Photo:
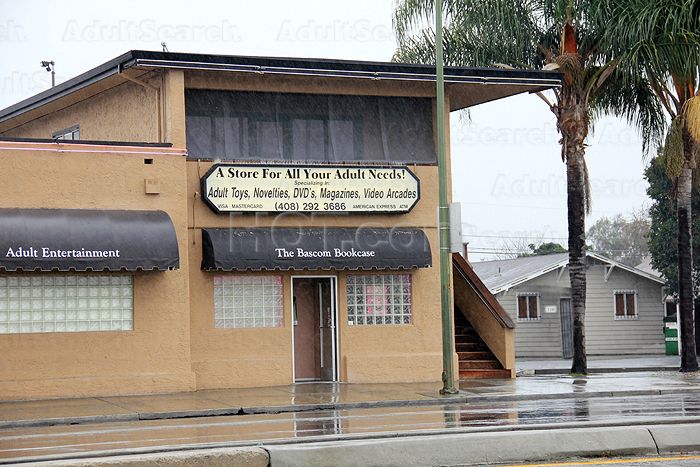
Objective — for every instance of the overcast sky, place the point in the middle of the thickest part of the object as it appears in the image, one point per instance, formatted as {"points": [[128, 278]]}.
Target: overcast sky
{"points": [[507, 170]]}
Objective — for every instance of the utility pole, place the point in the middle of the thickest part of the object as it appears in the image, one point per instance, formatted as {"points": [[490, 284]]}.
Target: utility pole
{"points": [[448, 378], [49, 66]]}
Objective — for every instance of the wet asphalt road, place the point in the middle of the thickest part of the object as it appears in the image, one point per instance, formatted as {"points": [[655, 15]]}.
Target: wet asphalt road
{"points": [[661, 461], [123, 437]]}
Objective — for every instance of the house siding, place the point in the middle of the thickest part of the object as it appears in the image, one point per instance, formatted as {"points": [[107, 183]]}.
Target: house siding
{"points": [[607, 336], [604, 334], [539, 338]]}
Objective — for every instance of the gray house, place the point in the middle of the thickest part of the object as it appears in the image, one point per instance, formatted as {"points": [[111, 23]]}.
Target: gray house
{"points": [[624, 305]]}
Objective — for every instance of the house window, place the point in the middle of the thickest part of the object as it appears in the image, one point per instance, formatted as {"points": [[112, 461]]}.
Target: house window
{"points": [[528, 306], [379, 299], [248, 301], [625, 304], [56, 303], [71, 133], [670, 308]]}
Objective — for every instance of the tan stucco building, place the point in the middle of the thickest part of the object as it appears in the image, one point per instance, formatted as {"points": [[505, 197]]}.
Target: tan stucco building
{"points": [[175, 222]]}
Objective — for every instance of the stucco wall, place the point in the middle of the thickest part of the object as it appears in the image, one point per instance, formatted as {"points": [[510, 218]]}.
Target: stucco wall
{"points": [[155, 356], [127, 112], [174, 337], [249, 357], [367, 353]]}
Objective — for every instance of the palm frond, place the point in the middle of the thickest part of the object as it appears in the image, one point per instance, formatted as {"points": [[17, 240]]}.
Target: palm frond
{"points": [[662, 34], [486, 31], [630, 96]]}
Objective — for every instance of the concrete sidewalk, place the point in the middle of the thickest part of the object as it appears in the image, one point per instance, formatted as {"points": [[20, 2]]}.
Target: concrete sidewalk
{"points": [[333, 396], [599, 364]]}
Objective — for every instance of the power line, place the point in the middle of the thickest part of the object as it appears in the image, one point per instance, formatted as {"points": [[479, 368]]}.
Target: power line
{"points": [[536, 237]]}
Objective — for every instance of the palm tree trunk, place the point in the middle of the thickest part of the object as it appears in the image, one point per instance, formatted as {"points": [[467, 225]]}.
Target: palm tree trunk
{"points": [[576, 202], [689, 360]]}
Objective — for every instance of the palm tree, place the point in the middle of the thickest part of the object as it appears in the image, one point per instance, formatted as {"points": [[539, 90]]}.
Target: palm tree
{"points": [[661, 40], [542, 34]]}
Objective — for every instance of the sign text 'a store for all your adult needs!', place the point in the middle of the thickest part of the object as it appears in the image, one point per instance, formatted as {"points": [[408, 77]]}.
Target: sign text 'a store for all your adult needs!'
{"points": [[271, 188]]}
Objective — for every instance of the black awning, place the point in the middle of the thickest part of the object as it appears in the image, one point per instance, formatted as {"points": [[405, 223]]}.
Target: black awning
{"points": [[314, 248], [86, 240]]}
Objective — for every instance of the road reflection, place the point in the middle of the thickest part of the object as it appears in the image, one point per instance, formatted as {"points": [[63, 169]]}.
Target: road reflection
{"points": [[37, 443]]}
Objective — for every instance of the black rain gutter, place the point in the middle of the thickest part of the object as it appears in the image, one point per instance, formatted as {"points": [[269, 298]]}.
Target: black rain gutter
{"points": [[284, 66], [335, 73]]}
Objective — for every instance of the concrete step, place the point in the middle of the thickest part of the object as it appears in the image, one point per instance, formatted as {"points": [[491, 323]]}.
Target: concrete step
{"points": [[481, 374], [467, 335], [475, 355], [480, 365], [470, 347]]}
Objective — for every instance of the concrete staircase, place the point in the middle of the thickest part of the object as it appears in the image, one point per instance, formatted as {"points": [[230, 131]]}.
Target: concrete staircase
{"points": [[475, 358]]}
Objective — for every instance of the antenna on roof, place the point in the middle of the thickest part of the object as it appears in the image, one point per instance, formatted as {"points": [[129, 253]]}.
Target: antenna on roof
{"points": [[49, 66], [165, 47]]}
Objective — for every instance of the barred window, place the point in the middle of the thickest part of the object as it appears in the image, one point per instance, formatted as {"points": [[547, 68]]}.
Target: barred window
{"points": [[379, 299], [625, 304], [57, 303], [528, 306], [248, 301]]}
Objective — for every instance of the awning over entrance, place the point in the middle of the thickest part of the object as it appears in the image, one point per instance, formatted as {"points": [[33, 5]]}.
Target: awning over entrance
{"points": [[86, 240], [314, 248]]}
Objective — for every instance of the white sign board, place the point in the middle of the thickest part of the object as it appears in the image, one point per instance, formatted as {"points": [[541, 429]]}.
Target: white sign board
{"points": [[550, 309], [274, 188]]}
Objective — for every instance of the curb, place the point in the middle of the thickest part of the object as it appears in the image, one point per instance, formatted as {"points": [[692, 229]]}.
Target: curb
{"points": [[592, 371], [481, 448], [461, 398], [494, 447], [216, 457]]}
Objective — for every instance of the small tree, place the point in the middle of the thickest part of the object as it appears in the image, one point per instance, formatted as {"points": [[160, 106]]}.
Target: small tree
{"points": [[548, 248], [620, 238]]}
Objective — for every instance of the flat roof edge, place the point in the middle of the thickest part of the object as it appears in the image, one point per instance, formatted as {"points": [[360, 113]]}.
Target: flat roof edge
{"points": [[280, 65], [140, 144]]}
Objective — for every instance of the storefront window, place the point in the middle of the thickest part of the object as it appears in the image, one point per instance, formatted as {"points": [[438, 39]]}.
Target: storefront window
{"points": [[379, 299], [308, 127], [57, 303], [248, 301]]}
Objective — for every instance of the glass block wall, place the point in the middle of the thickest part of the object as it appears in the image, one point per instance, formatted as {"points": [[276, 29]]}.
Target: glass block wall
{"points": [[57, 303], [379, 299], [248, 301]]}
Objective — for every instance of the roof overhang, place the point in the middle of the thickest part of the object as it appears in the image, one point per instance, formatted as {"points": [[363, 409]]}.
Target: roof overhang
{"points": [[562, 264], [529, 277], [466, 86]]}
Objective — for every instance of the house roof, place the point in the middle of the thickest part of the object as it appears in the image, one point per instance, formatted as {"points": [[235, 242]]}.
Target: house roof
{"points": [[501, 275], [502, 82]]}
